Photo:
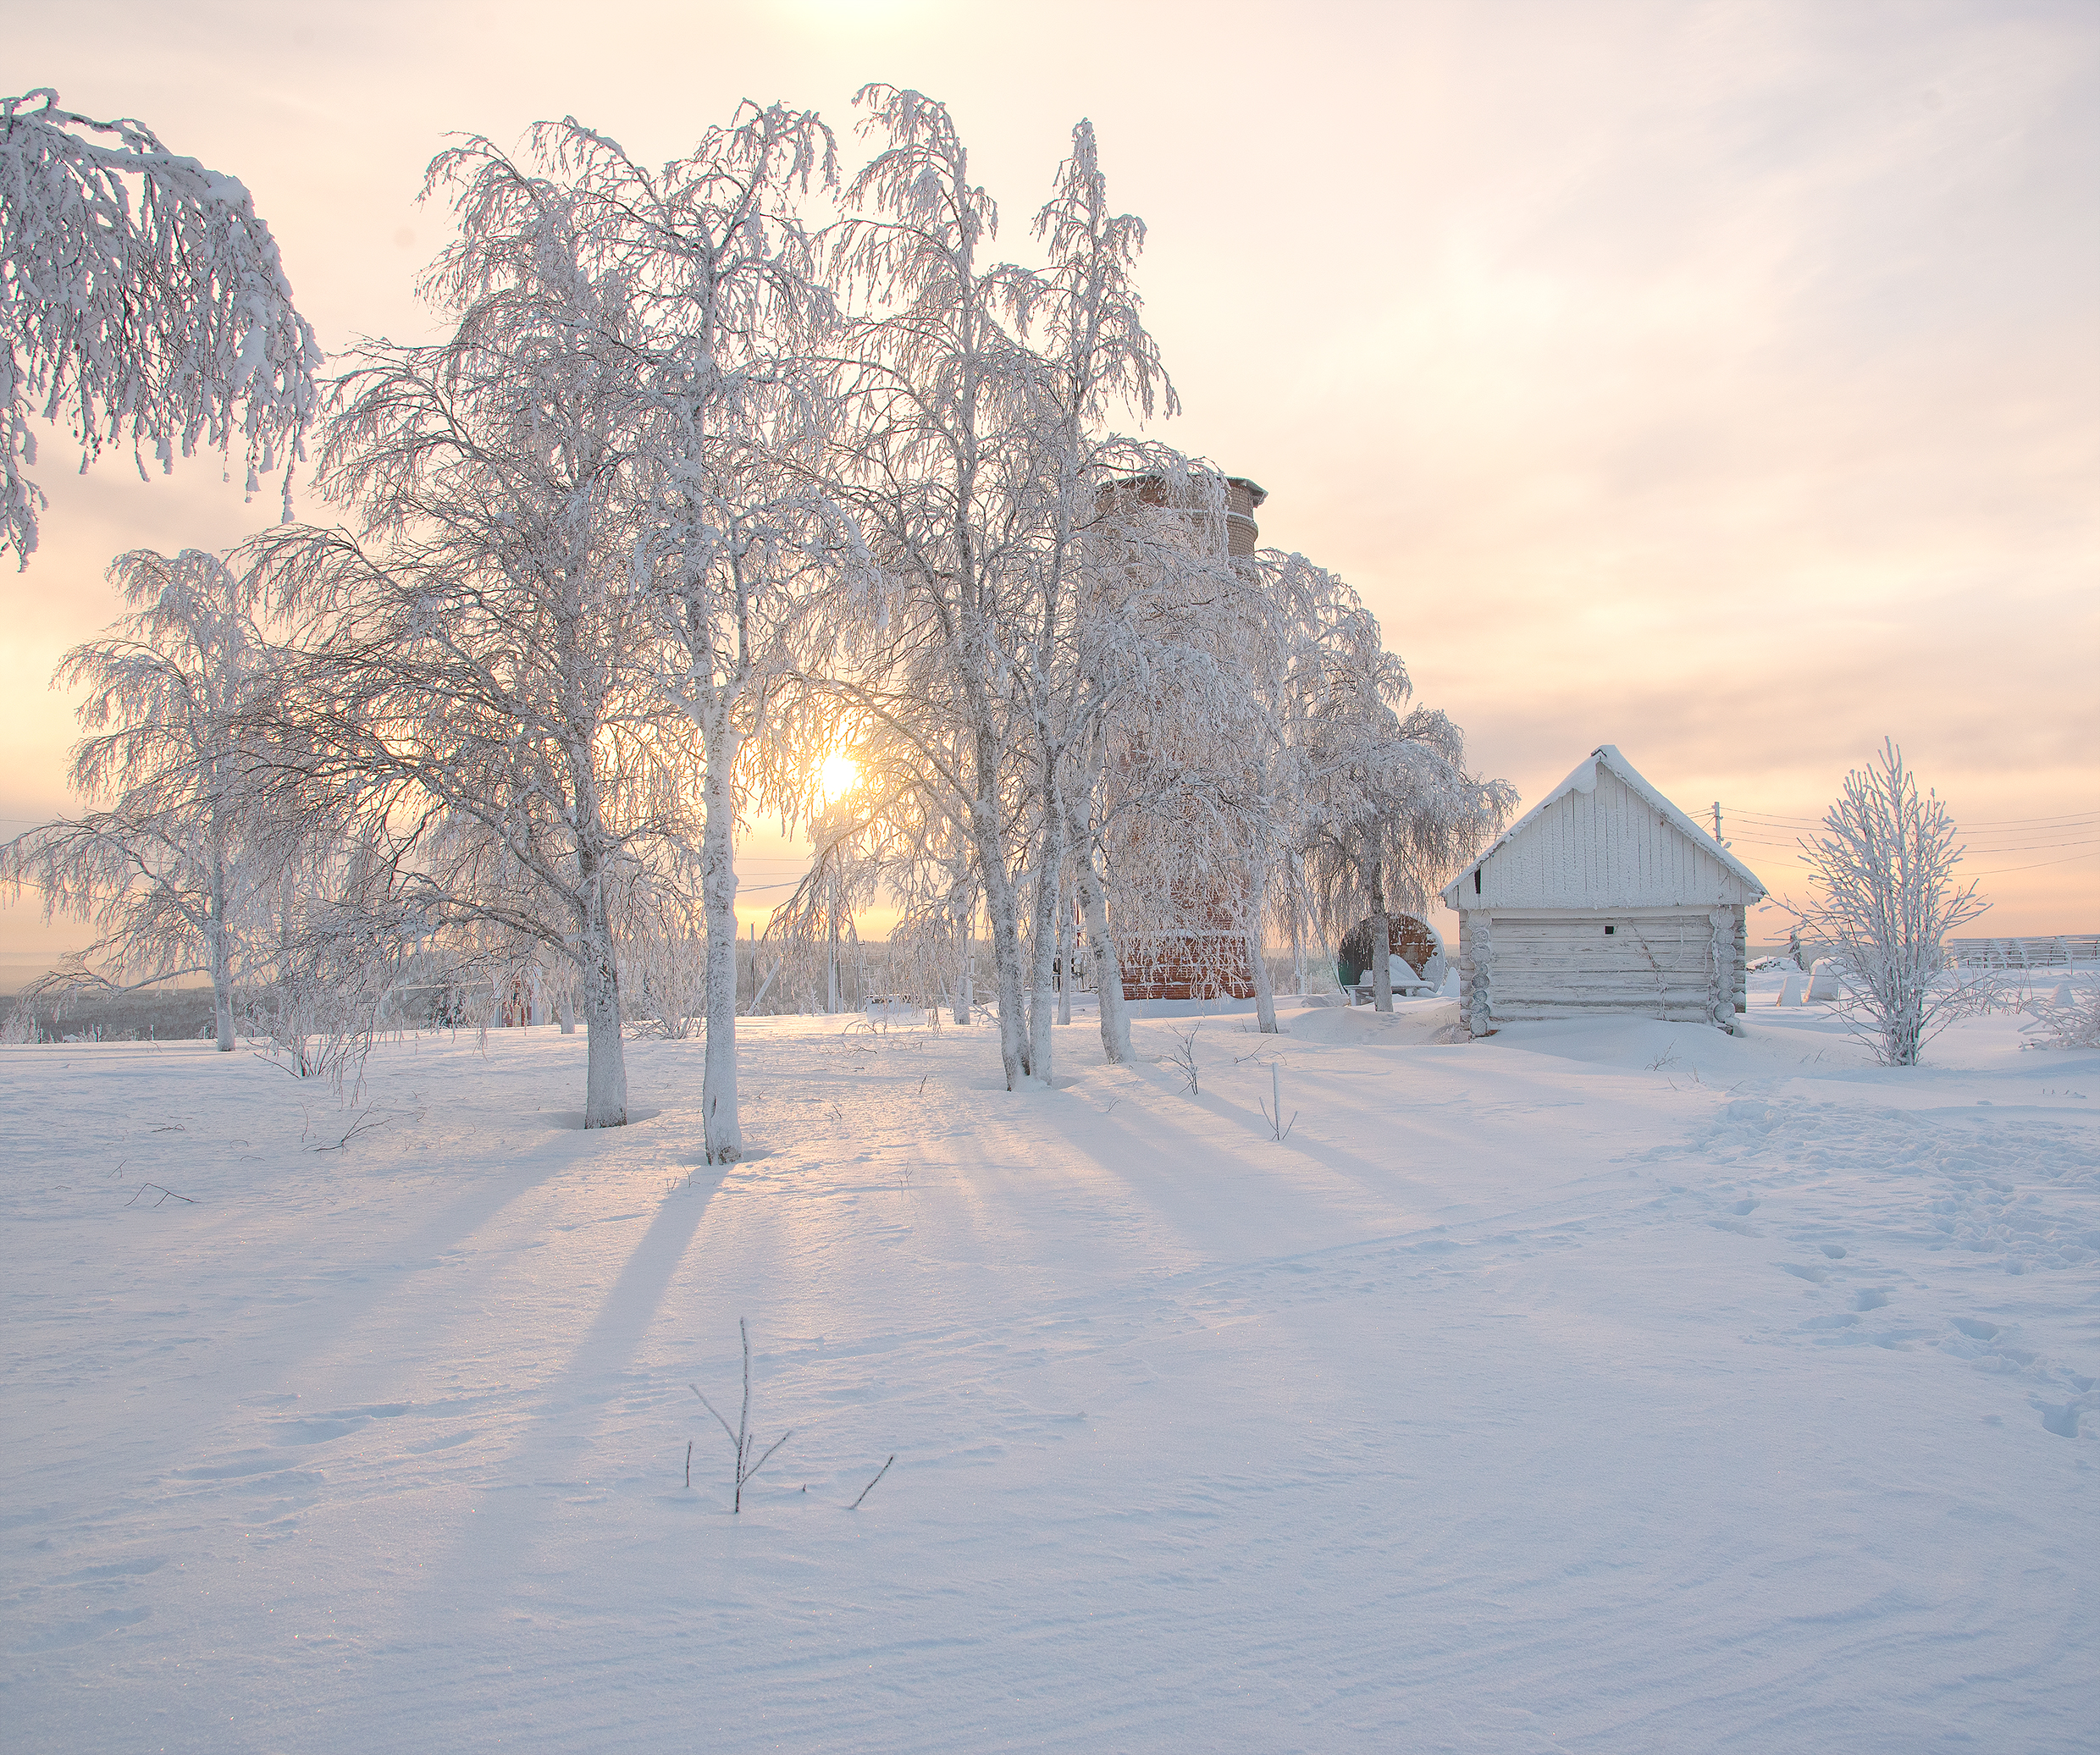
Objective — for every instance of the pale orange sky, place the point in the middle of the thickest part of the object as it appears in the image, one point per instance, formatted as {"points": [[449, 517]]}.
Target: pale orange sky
{"points": [[1719, 381]]}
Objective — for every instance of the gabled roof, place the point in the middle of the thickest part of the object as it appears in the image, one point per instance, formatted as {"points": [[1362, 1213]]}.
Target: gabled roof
{"points": [[1583, 778]]}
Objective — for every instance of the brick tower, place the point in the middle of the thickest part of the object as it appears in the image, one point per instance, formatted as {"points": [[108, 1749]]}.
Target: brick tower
{"points": [[1203, 953]]}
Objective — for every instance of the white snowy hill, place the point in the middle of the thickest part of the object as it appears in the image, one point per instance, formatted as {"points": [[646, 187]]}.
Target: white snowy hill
{"points": [[1607, 1388]]}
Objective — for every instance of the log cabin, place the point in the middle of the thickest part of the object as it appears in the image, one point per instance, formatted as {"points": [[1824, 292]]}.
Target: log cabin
{"points": [[1603, 899]]}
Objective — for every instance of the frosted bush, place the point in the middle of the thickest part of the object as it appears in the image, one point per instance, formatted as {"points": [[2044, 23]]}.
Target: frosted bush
{"points": [[2074, 1022], [1885, 898]]}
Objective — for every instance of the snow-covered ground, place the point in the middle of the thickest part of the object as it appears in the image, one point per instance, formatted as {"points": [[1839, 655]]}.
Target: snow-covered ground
{"points": [[1620, 1388]]}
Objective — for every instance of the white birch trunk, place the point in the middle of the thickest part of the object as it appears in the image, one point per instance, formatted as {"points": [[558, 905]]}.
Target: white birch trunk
{"points": [[1381, 941], [1043, 942], [1115, 1019], [1001, 904], [1065, 963], [1257, 960], [606, 1075], [720, 1123], [220, 958], [1003, 916]]}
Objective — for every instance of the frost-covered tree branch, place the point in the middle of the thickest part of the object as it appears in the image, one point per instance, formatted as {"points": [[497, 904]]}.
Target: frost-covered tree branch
{"points": [[142, 303], [937, 462]]}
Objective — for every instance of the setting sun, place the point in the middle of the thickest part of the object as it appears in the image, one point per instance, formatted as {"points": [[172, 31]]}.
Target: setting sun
{"points": [[839, 776]]}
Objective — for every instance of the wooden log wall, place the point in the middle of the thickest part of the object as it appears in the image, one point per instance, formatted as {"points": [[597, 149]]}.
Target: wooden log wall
{"points": [[1682, 965]]}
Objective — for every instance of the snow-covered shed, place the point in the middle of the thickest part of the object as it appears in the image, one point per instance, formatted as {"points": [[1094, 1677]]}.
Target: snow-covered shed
{"points": [[1603, 897]]}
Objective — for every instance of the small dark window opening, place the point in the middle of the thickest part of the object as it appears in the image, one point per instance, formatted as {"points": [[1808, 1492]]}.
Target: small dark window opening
{"points": [[1609, 930], [1476, 880]]}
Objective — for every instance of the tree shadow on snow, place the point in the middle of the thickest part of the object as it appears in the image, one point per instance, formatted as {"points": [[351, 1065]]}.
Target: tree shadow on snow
{"points": [[552, 1442]]}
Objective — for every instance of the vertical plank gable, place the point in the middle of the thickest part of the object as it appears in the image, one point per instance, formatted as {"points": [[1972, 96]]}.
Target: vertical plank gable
{"points": [[1605, 848]]}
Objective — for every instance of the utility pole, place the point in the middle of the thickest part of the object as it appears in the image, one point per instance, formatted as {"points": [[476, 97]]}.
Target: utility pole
{"points": [[1718, 841]]}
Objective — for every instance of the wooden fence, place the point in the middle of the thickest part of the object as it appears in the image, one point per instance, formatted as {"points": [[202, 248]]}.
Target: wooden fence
{"points": [[2055, 952]]}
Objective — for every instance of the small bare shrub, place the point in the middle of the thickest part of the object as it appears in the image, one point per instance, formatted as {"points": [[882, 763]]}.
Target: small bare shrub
{"points": [[740, 1437], [1279, 1128], [2075, 1023], [1183, 1061]]}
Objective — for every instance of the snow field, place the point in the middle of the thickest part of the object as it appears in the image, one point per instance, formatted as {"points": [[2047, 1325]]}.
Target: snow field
{"points": [[1623, 1388]]}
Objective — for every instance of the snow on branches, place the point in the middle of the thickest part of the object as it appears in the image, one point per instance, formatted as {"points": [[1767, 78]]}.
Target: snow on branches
{"points": [[698, 284], [1388, 806], [695, 499], [165, 866], [1884, 893], [142, 302]]}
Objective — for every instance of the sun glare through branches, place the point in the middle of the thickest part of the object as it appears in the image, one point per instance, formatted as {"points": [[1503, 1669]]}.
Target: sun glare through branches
{"points": [[838, 775]]}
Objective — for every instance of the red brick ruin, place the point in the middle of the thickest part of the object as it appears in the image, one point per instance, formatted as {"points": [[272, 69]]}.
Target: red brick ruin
{"points": [[1204, 961]]}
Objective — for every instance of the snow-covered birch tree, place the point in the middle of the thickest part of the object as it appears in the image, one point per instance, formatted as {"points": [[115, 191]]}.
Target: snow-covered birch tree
{"points": [[1086, 318], [1885, 892], [482, 673], [142, 303], [1390, 806], [719, 412], [331, 931], [976, 461], [1280, 657], [938, 463], [164, 867]]}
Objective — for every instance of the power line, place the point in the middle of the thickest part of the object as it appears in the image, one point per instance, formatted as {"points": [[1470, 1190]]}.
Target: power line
{"points": [[1760, 829], [2015, 822], [2003, 870], [2072, 816], [2075, 820], [1967, 850], [1999, 871], [1978, 852]]}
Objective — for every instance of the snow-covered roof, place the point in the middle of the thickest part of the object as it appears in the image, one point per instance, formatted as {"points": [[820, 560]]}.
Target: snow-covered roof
{"points": [[1583, 778]]}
